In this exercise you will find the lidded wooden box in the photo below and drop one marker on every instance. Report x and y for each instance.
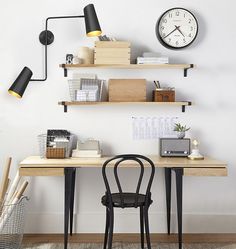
(112, 52)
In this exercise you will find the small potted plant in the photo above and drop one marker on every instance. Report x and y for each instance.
(180, 129)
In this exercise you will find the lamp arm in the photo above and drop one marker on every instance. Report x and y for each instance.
(46, 43)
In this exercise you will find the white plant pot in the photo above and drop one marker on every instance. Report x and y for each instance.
(180, 134)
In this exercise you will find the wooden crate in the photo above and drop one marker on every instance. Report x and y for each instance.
(108, 52)
(127, 90)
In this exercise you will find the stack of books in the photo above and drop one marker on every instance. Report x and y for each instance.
(112, 52)
(152, 58)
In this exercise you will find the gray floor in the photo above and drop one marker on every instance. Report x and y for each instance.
(133, 246)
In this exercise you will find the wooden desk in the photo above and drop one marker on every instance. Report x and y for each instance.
(36, 166)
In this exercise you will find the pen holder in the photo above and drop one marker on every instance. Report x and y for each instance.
(163, 95)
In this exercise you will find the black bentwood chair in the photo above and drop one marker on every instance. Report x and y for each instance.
(125, 199)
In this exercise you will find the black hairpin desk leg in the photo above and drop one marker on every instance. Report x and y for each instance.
(168, 196)
(68, 195)
(72, 201)
(179, 195)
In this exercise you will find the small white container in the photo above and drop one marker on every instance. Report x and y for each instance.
(86, 55)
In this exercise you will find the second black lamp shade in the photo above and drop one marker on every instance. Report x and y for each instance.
(91, 21)
(18, 87)
(93, 28)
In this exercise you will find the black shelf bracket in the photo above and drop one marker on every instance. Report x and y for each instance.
(64, 106)
(184, 106)
(65, 70)
(186, 70)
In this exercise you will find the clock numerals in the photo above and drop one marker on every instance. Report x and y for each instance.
(189, 21)
(177, 13)
(170, 15)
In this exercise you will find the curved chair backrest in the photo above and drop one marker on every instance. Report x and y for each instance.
(128, 157)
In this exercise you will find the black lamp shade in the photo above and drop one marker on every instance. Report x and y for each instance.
(18, 87)
(91, 21)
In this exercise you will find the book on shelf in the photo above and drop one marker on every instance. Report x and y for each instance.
(152, 60)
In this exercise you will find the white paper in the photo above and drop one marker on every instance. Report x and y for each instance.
(147, 128)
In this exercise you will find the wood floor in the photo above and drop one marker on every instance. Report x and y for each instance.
(132, 246)
(130, 238)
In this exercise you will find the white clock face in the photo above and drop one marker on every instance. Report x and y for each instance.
(177, 28)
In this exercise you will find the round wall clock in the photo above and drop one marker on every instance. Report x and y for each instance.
(177, 28)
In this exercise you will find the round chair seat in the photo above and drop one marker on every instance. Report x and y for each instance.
(129, 200)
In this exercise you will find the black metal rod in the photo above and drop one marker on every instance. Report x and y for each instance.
(111, 226)
(106, 228)
(141, 227)
(179, 195)
(147, 227)
(68, 178)
(46, 46)
(72, 201)
(168, 196)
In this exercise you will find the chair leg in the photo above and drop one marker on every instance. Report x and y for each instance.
(147, 227)
(111, 225)
(106, 229)
(141, 227)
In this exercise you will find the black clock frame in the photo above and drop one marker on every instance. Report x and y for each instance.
(159, 36)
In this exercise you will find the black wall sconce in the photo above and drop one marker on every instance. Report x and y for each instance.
(46, 37)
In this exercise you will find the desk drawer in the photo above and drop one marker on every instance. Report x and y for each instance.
(41, 171)
(205, 172)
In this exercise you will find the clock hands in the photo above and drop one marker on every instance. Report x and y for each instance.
(178, 28)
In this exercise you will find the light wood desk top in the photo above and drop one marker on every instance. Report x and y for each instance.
(34, 165)
(36, 161)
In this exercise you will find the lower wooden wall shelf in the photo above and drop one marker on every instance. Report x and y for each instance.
(183, 104)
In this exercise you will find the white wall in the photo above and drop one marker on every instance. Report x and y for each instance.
(209, 203)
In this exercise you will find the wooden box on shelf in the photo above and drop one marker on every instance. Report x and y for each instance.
(127, 90)
(164, 95)
(112, 52)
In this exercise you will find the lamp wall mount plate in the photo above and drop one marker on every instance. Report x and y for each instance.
(46, 37)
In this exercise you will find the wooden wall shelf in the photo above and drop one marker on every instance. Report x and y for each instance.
(183, 104)
(184, 67)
